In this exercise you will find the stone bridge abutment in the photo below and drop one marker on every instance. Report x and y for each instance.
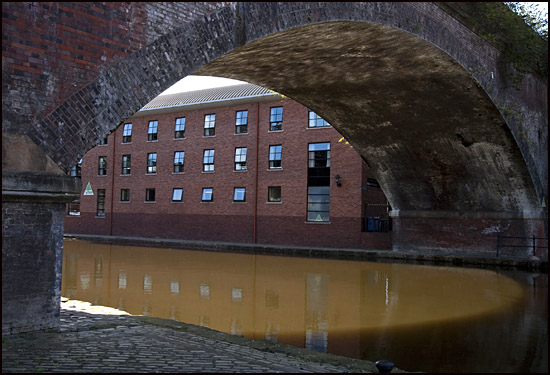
(460, 154)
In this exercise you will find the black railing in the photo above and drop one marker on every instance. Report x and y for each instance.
(528, 242)
(377, 224)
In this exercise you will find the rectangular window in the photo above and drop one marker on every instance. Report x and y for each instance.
(318, 203)
(208, 161)
(127, 133)
(178, 161)
(207, 195)
(177, 195)
(149, 195)
(126, 164)
(316, 121)
(239, 194)
(276, 119)
(74, 208)
(274, 194)
(209, 125)
(152, 162)
(241, 122)
(319, 155)
(240, 159)
(275, 153)
(104, 141)
(76, 171)
(179, 128)
(102, 166)
(125, 195)
(152, 130)
(100, 202)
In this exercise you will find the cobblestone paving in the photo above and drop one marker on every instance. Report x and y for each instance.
(102, 339)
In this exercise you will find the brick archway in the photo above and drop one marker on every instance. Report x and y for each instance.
(460, 154)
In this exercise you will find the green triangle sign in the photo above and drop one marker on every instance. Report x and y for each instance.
(319, 218)
(88, 190)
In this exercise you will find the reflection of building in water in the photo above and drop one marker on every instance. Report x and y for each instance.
(98, 271)
(272, 331)
(317, 312)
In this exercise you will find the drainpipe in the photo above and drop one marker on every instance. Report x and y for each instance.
(256, 176)
(112, 185)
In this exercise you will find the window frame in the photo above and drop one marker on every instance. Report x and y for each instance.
(208, 160)
(126, 164)
(240, 126)
(276, 119)
(204, 190)
(127, 133)
(240, 159)
(124, 193)
(101, 200)
(316, 120)
(180, 194)
(269, 195)
(102, 160)
(151, 163)
(152, 131)
(209, 125)
(179, 162)
(76, 170)
(272, 161)
(74, 208)
(148, 193)
(179, 128)
(243, 189)
(313, 150)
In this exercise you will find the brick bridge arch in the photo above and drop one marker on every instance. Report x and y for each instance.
(460, 154)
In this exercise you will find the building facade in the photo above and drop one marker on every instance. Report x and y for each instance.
(238, 164)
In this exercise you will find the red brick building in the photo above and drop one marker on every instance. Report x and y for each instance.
(233, 164)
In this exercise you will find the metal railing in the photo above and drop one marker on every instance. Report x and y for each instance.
(378, 224)
(533, 244)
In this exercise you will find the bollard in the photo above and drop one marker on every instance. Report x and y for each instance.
(384, 366)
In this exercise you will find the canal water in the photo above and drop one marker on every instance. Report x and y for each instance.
(423, 318)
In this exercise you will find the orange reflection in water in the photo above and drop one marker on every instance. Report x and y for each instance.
(407, 313)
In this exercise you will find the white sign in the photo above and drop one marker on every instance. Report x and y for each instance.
(88, 190)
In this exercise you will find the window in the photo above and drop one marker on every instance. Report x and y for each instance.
(100, 202)
(149, 195)
(207, 195)
(316, 121)
(275, 156)
(127, 133)
(125, 195)
(209, 125)
(102, 166)
(318, 203)
(74, 208)
(241, 122)
(178, 161)
(208, 161)
(319, 155)
(179, 128)
(152, 162)
(239, 194)
(318, 182)
(104, 141)
(240, 159)
(177, 195)
(126, 164)
(276, 119)
(274, 194)
(152, 131)
(76, 171)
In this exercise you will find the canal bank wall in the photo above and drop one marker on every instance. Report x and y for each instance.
(532, 264)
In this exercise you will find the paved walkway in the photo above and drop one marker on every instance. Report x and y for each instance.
(103, 339)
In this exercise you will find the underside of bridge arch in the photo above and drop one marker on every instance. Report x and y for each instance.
(443, 154)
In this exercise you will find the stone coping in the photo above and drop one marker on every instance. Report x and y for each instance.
(388, 256)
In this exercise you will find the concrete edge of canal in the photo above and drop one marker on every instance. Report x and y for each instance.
(474, 260)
